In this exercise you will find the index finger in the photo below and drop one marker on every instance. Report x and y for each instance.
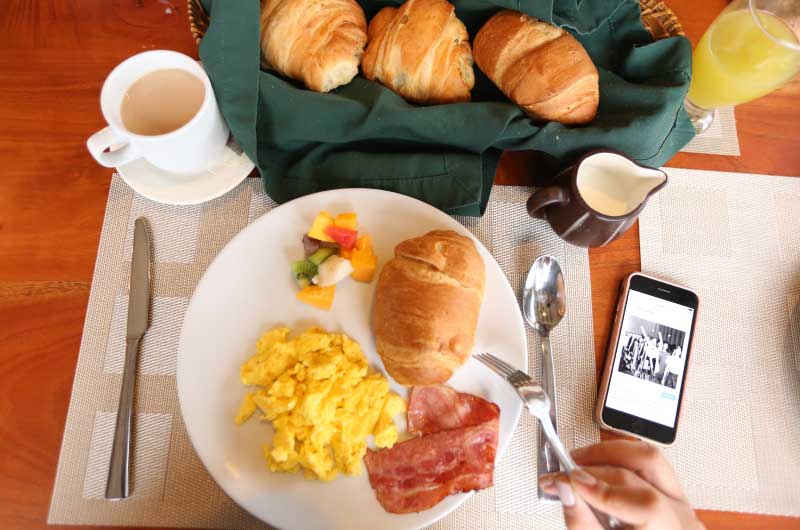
(642, 458)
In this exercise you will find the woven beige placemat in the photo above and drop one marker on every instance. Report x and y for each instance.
(171, 487)
(735, 239)
(720, 139)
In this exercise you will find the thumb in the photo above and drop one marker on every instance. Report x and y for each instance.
(631, 501)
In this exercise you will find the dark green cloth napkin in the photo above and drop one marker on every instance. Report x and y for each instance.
(364, 135)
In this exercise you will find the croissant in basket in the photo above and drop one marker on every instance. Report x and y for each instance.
(317, 42)
(538, 66)
(426, 309)
(421, 51)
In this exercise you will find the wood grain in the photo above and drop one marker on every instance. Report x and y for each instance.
(53, 58)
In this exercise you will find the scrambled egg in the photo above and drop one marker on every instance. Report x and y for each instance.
(321, 401)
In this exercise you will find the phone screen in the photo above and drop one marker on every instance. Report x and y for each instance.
(650, 358)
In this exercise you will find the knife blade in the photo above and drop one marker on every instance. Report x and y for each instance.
(118, 485)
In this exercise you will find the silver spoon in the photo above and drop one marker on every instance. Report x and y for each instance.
(544, 302)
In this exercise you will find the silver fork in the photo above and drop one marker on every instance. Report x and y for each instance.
(538, 404)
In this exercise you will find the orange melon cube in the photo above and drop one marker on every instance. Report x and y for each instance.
(364, 243)
(364, 266)
(319, 297)
(363, 260)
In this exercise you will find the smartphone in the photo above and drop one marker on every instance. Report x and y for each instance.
(641, 390)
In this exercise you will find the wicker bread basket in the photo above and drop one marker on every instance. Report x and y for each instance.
(659, 19)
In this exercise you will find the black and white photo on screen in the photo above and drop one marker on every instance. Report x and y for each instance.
(651, 351)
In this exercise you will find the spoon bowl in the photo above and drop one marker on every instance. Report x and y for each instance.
(544, 298)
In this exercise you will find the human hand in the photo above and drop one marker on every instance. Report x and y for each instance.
(630, 480)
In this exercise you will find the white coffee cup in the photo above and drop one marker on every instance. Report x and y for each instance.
(195, 147)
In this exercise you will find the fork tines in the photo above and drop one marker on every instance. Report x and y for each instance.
(504, 369)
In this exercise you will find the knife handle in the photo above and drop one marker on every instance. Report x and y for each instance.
(118, 485)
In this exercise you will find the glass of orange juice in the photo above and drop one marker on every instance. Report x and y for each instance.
(751, 49)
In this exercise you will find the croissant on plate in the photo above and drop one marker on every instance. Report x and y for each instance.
(317, 42)
(421, 51)
(538, 66)
(427, 303)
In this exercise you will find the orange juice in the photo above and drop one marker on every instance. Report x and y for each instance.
(736, 61)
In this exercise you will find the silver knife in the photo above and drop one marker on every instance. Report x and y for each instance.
(118, 486)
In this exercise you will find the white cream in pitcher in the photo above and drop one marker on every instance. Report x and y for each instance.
(613, 185)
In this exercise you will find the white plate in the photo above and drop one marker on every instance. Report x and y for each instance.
(248, 289)
(169, 188)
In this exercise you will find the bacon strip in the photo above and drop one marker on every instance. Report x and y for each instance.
(455, 453)
(416, 474)
(440, 408)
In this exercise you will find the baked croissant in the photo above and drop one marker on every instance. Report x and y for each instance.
(426, 310)
(540, 67)
(421, 51)
(317, 42)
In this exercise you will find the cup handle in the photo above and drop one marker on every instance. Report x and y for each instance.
(105, 138)
(545, 197)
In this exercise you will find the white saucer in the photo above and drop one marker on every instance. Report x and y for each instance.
(169, 188)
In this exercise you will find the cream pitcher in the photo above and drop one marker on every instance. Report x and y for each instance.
(594, 201)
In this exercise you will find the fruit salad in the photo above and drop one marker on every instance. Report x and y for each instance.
(334, 251)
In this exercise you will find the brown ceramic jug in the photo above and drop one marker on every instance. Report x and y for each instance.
(594, 201)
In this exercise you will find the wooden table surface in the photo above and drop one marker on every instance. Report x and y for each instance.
(53, 58)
